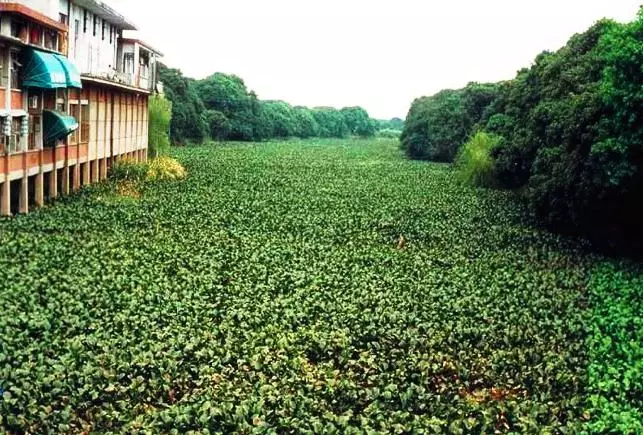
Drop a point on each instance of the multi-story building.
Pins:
(73, 97)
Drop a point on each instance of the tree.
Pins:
(160, 118)
(187, 122)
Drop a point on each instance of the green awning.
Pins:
(57, 126)
(71, 72)
(49, 71)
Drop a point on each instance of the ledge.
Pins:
(25, 11)
(103, 81)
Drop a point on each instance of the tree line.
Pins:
(220, 107)
(565, 133)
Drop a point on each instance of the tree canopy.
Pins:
(569, 129)
(221, 107)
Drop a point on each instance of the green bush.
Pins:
(573, 141)
(437, 126)
(129, 170)
(474, 163)
(389, 133)
(160, 118)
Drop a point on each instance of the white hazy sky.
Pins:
(379, 54)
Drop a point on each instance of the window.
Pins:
(74, 110)
(3, 74)
(128, 63)
(16, 69)
(17, 28)
(60, 100)
(85, 21)
(35, 35)
(84, 123)
(76, 35)
(103, 29)
(64, 19)
(34, 132)
(51, 39)
(111, 33)
(14, 138)
(95, 25)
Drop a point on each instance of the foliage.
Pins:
(221, 107)
(165, 168)
(331, 122)
(229, 95)
(292, 288)
(128, 170)
(388, 133)
(280, 119)
(358, 122)
(573, 137)
(616, 350)
(474, 162)
(160, 118)
(437, 126)
(390, 124)
(189, 122)
(218, 125)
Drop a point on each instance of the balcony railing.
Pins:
(121, 77)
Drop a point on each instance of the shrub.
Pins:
(572, 133)
(129, 170)
(437, 126)
(160, 117)
(389, 133)
(474, 163)
(165, 168)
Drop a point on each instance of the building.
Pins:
(73, 97)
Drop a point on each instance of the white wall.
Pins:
(91, 54)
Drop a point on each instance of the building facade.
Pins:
(73, 97)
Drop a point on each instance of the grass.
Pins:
(474, 162)
(325, 286)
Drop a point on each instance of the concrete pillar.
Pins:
(103, 168)
(66, 180)
(86, 167)
(40, 189)
(53, 183)
(95, 166)
(5, 198)
(77, 175)
(23, 199)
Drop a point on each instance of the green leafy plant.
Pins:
(160, 118)
(302, 286)
(474, 163)
(129, 170)
(615, 404)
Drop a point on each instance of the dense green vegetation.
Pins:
(310, 286)
(474, 163)
(221, 107)
(160, 118)
(571, 140)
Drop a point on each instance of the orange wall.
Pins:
(16, 99)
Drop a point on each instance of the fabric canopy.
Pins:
(71, 72)
(57, 126)
(50, 71)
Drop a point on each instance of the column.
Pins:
(39, 187)
(23, 199)
(5, 197)
(53, 182)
